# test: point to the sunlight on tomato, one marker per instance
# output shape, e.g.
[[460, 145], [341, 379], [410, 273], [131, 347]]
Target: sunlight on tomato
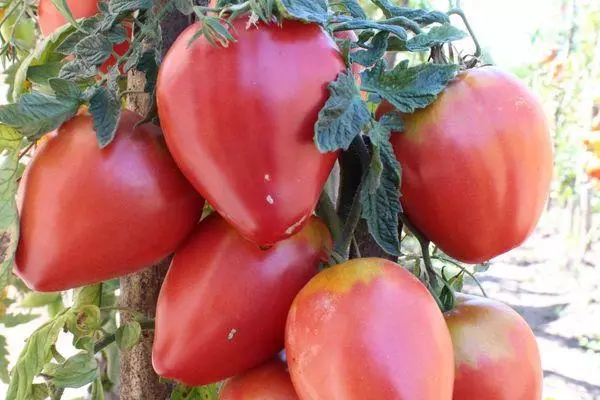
[[223, 305], [476, 165], [496, 353], [88, 215], [270, 381], [242, 132], [368, 329]]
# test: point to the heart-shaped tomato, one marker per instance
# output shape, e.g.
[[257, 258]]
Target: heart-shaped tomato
[[240, 122], [88, 215], [223, 304]]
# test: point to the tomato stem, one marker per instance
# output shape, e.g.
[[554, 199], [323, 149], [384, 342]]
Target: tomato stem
[[326, 210], [461, 14], [147, 325]]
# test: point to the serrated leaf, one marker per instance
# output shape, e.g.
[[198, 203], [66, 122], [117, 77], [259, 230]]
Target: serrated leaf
[[94, 49], [438, 35], [67, 46], [63, 8], [118, 34], [120, 6], [75, 372], [10, 144], [12, 320], [418, 15], [392, 122], [133, 59], [40, 74], [3, 360], [65, 89], [128, 335], [304, 10], [36, 353], [408, 88], [105, 108], [40, 391], [148, 65], [378, 46], [353, 8], [36, 114], [185, 7], [87, 295], [354, 24], [77, 70], [381, 206], [343, 116], [38, 299], [208, 392]]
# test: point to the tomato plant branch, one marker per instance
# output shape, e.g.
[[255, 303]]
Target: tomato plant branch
[[461, 14], [147, 325], [326, 210], [424, 243]]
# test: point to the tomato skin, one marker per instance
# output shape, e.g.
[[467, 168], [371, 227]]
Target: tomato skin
[[50, 19], [476, 165], [593, 168], [88, 215], [223, 305], [496, 353], [244, 135], [270, 381], [368, 329]]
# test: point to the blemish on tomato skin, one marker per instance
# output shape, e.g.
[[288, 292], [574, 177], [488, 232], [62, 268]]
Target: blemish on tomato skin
[[231, 335], [296, 225], [270, 199]]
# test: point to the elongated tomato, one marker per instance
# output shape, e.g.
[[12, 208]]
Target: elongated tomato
[[240, 122], [88, 215], [476, 165], [368, 330], [223, 304], [270, 381], [496, 353]]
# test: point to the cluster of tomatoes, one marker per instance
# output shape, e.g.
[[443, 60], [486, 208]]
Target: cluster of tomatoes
[[238, 124]]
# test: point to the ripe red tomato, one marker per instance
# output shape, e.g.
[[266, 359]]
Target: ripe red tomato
[[593, 168], [270, 381], [243, 132], [496, 354], [223, 304], [88, 215], [368, 329], [476, 165], [50, 19]]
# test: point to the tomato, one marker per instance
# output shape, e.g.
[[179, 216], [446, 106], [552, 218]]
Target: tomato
[[243, 132], [223, 305], [270, 381], [368, 329], [50, 19], [496, 353], [592, 142], [476, 165], [88, 215], [593, 168]]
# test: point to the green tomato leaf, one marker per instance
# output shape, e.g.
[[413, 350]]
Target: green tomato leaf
[[378, 47], [120, 6], [65, 89], [36, 353], [67, 46], [105, 108], [408, 88], [354, 24], [418, 15], [343, 116], [128, 335], [438, 35], [353, 8], [94, 49], [88, 320], [182, 392], [12, 320], [88, 295], [3, 360], [304, 10], [40, 74], [381, 195], [97, 392], [117, 34], [36, 114], [10, 144], [40, 391], [149, 66], [38, 299], [77, 70], [75, 372], [63, 8], [185, 7]]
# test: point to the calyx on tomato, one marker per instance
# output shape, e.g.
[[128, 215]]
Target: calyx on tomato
[[223, 304], [88, 215], [240, 122], [476, 165]]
